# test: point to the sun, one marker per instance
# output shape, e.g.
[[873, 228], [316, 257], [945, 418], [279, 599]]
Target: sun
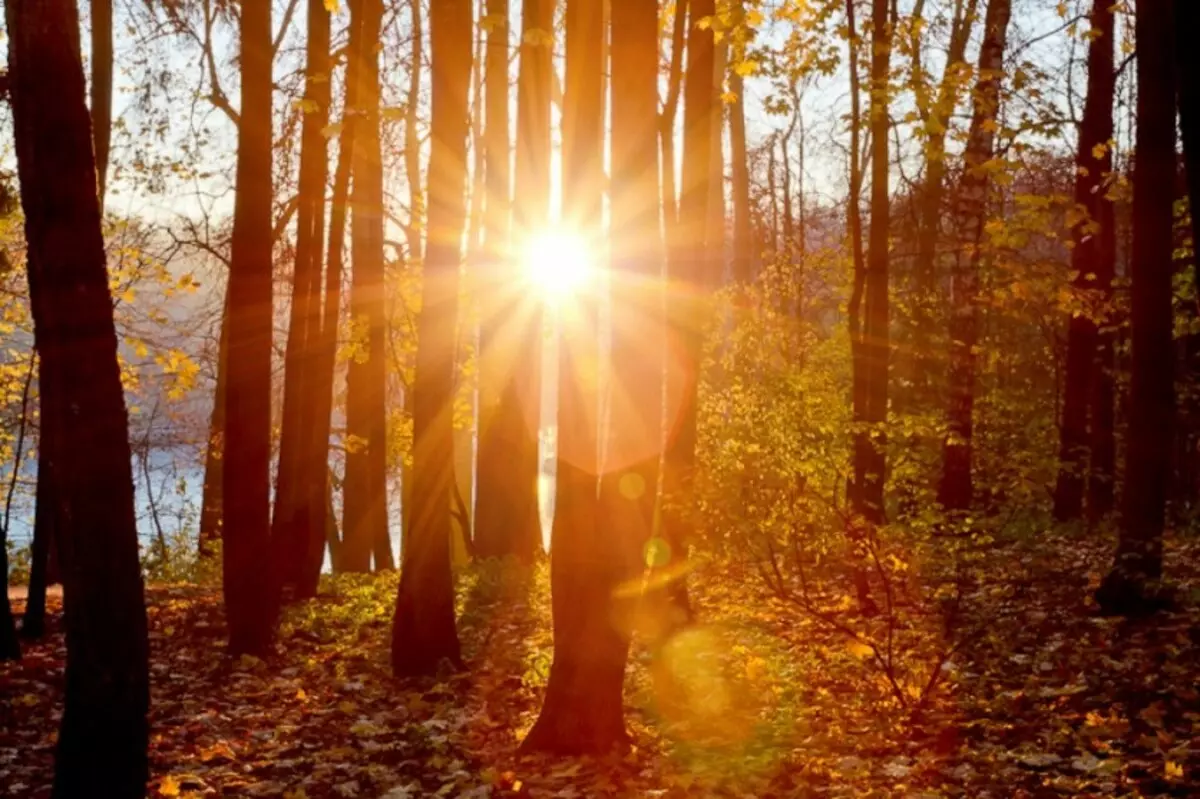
[[557, 264]]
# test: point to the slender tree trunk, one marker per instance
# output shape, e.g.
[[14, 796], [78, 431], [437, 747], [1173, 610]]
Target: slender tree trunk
[[250, 600], [956, 490], [1128, 587], [299, 465], [416, 211], [582, 712], [365, 488], [321, 501], [690, 271], [423, 632], [715, 227], [1089, 261], [104, 734], [212, 501], [743, 246], [10, 646], [45, 531], [854, 223], [102, 83], [507, 520], [670, 200], [933, 189]]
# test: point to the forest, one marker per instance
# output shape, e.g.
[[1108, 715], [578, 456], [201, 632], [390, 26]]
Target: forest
[[586, 398]]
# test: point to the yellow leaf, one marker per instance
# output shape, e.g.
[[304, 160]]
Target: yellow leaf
[[169, 786], [860, 650], [332, 6], [746, 68], [1174, 771]]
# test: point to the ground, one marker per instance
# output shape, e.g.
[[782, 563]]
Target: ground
[[1037, 696]]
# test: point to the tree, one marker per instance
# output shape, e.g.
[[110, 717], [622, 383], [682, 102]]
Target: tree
[[1091, 261], [667, 117], [102, 83], [249, 599], [10, 645], [423, 632], [956, 490], [364, 525], [690, 270], [1128, 586], [212, 500], [743, 246], [104, 734], [321, 503], [506, 521], [1187, 20], [300, 466], [582, 711]]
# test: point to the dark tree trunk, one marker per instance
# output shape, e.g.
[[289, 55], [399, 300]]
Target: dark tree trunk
[[423, 632], [250, 600], [1090, 261], [507, 520], [582, 712], [956, 490], [102, 83], [302, 469], [365, 488], [103, 737], [33, 623], [858, 390], [690, 272], [666, 121], [212, 500], [1129, 586], [10, 646], [321, 503]]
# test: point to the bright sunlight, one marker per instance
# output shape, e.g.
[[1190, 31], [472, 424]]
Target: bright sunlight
[[558, 264]]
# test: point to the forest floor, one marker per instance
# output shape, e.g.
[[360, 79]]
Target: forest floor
[[1039, 698]]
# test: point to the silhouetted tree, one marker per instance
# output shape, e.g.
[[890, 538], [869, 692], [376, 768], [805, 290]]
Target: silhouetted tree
[[364, 522], [1091, 261], [103, 738], [423, 631], [250, 599], [1129, 585]]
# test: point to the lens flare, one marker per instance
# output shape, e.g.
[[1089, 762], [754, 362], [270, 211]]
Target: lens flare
[[557, 265]]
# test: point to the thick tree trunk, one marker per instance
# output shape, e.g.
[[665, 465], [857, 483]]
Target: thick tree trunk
[[250, 600], [212, 500], [103, 737], [1128, 587], [582, 712], [423, 632], [956, 490], [1091, 262], [321, 502], [507, 520], [365, 488], [690, 272], [300, 466], [102, 83]]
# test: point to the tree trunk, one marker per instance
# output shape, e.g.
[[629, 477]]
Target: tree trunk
[[743, 247], [666, 122], [104, 734], [936, 118], [250, 599], [507, 520], [1128, 587], [715, 228], [1187, 22], [412, 232], [956, 490], [102, 83], [10, 646], [423, 632], [45, 531], [690, 271], [582, 712], [1090, 261], [301, 468], [212, 501], [365, 488], [321, 502]]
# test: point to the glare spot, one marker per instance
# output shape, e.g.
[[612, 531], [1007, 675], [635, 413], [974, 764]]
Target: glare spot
[[632, 485]]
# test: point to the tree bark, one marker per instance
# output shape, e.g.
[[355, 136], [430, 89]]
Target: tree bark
[[250, 600], [300, 466], [690, 272], [1091, 261], [743, 246], [956, 490], [858, 390], [321, 502], [365, 489], [412, 232], [666, 122], [1128, 587], [212, 500], [104, 733], [582, 712], [423, 631], [507, 520], [45, 531]]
